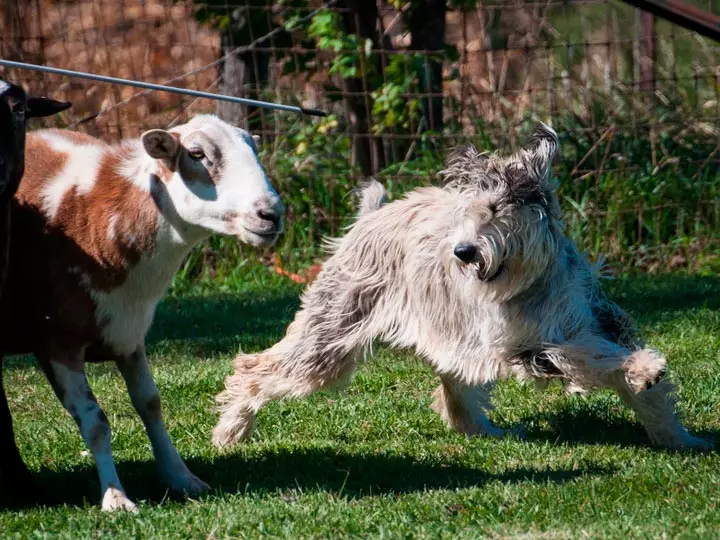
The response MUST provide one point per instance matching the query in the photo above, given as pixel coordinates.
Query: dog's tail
(372, 196)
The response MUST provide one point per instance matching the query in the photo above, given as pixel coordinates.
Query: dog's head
(508, 220)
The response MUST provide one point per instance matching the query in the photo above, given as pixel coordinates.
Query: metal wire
(162, 88)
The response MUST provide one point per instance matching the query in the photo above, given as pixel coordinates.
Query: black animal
(16, 484)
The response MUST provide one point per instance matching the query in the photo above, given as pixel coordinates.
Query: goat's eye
(196, 154)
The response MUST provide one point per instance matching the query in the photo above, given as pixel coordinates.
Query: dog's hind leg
(297, 366)
(261, 378)
(465, 408)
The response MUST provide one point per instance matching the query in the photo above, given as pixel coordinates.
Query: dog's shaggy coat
(480, 279)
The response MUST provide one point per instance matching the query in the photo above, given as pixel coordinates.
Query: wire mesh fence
(635, 100)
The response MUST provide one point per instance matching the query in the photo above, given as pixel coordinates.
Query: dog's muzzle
(467, 253)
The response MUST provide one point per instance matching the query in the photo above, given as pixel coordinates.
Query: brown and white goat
(15, 110)
(100, 232)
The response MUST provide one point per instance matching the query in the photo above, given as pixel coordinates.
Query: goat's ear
(160, 144)
(38, 107)
(540, 151)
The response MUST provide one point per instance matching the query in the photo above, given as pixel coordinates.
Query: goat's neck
(174, 237)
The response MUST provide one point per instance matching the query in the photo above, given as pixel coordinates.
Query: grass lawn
(373, 460)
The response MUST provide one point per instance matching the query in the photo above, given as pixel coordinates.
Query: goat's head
(216, 182)
(15, 109)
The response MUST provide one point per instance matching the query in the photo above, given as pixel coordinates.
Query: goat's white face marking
(218, 183)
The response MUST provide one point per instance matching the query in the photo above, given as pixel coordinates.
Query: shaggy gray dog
(479, 278)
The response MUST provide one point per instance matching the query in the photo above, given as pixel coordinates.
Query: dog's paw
(644, 369)
(573, 389)
(228, 432)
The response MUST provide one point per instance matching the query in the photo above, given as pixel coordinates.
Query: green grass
(373, 460)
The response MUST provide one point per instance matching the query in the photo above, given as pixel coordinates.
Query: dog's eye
(196, 153)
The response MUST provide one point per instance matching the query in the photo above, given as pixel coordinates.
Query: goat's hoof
(188, 485)
(644, 369)
(696, 443)
(517, 432)
(18, 488)
(115, 500)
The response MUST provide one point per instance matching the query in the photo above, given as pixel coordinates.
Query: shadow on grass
(217, 324)
(210, 326)
(647, 296)
(352, 475)
(581, 426)
(260, 316)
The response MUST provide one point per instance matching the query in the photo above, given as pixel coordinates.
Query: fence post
(646, 49)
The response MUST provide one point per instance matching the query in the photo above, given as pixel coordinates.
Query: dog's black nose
(465, 252)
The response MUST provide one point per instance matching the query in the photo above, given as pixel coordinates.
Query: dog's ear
(465, 156)
(540, 151)
(464, 166)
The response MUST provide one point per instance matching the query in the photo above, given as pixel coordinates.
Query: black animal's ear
(37, 107)
(540, 151)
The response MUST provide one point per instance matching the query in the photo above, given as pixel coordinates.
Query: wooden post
(646, 49)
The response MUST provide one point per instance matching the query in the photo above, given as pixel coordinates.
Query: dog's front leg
(636, 376)
(592, 362)
(465, 408)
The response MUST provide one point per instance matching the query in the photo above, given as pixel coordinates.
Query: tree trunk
(427, 28)
(367, 148)
(14, 30)
(241, 75)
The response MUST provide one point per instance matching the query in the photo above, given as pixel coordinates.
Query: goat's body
(94, 274)
(100, 232)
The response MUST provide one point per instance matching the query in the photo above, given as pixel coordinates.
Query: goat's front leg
(65, 370)
(465, 408)
(146, 400)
